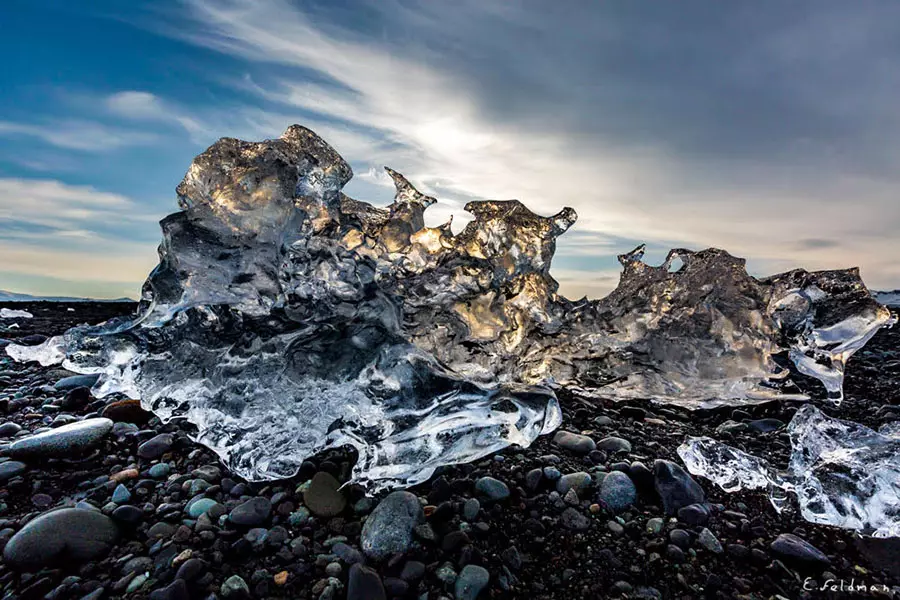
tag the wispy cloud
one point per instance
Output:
(144, 106)
(81, 135)
(64, 208)
(559, 124)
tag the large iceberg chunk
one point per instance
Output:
(843, 473)
(285, 318)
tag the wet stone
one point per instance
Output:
(60, 536)
(389, 528)
(62, 442)
(573, 442)
(323, 496)
(156, 446)
(251, 513)
(617, 491)
(792, 548)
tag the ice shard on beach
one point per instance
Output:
(843, 473)
(285, 318)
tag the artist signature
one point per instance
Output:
(842, 585)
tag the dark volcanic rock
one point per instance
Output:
(76, 381)
(676, 488)
(156, 446)
(794, 549)
(323, 496)
(364, 584)
(60, 536)
(252, 513)
(62, 442)
(573, 442)
(389, 528)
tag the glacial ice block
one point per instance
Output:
(285, 318)
(843, 473)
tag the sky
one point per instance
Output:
(766, 128)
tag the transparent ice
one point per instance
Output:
(285, 318)
(843, 473)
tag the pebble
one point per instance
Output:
(573, 442)
(323, 496)
(492, 488)
(573, 481)
(348, 554)
(571, 518)
(64, 535)
(10, 469)
(130, 515)
(160, 470)
(676, 488)
(680, 538)
(655, 525)
(74, 438)
(121, 495)
(614, 445)
(389, 528)
(251, 513)
(235, 587)
(76, 381)
(694, 514)
(126, 411)
(177, 590)
(364, 584)
(9, 429)
(471, 509)
(797, 550)
(470, 581)
(617, 491)
(533, 479)
(200, 506)
(156, 446)
(707, 539)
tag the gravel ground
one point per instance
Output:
(591, 515)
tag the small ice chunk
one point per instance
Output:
(10, 313)
(843, 473)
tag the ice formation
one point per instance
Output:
(285, 318)
(9, 313)
(843, 473)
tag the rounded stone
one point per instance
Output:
(574, 442)
(573, 481)
(614, 445)
(156, 446)
(389, 529)
(76, 381)
(617, 491)
(127, 411)
(470, 581)
(198, 507)
(62, 442)
(492, 488)
(10, 469)
(59, 537)
(251, 513)
(364, 584)
(323, 497)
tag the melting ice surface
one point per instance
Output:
(843, 473)
(10, 313)
(285, 318)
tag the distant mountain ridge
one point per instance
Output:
(888, 298)
(16, 297)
